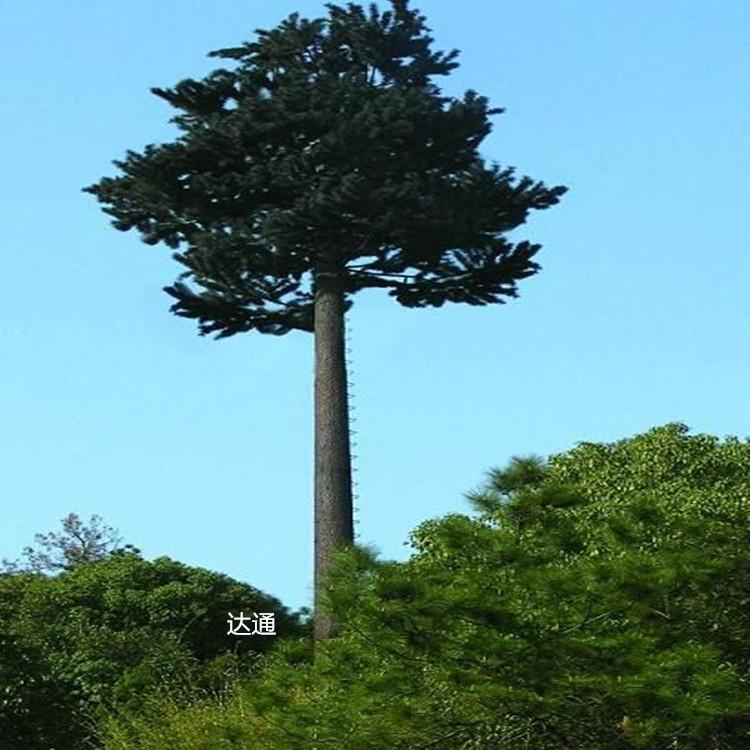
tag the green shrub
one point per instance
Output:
(105, 634)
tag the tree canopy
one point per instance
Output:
(328, 148)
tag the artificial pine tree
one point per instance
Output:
(327, 161)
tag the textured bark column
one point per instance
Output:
(333, 484)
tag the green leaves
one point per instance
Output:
(614, 613)
(107, 633)
(582, 594)
(328, 141)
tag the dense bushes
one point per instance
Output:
(105, 633)
(594, 602)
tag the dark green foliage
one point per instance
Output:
(106, 633)
(35, 710)
(328, 148)
(600, 601)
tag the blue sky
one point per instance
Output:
(202, 450)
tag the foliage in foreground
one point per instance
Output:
(105, 633)
(595, 602)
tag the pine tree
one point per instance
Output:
(324, 162)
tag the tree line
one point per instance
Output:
(596, 599)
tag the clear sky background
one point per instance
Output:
(202, 450)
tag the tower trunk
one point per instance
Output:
(333, 484)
